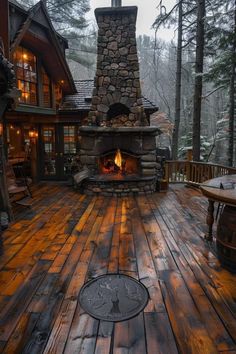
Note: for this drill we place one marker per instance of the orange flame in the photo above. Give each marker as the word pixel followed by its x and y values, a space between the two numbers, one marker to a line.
pixel 118 158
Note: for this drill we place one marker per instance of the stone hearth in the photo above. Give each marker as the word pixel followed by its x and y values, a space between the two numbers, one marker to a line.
pixel 136 141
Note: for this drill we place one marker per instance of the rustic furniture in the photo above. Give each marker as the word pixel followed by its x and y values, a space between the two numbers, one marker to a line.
pixel 223 190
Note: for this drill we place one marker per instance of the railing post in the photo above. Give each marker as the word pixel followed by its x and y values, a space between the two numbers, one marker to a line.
pixel 188 171
pixel 166 176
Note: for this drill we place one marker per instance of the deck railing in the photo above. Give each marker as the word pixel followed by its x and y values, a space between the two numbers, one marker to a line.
pixel 182 171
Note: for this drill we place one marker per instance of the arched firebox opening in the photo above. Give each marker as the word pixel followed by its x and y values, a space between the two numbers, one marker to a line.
pixel 119 162
pixel 116 110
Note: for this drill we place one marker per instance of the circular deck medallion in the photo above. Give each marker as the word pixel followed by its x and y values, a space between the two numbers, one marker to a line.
pixel 113 297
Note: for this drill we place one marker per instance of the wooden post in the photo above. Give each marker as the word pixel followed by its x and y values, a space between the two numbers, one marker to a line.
pixel 8 95
pixel 5 204
pixel 190 154
pixel 188 171
pixel 210 220
pixel 33 158
pixel 4 26
pixel 166 169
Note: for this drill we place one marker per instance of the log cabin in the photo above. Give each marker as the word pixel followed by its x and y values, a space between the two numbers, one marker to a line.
pixel 43 78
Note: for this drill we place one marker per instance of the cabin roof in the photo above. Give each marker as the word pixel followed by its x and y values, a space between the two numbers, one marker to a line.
pixel 81 101
pixel 36 30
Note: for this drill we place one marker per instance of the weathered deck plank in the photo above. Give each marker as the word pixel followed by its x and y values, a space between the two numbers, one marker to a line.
pixel 67 238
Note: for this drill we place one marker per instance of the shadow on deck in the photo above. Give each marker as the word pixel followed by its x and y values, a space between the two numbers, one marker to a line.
pixel 66 239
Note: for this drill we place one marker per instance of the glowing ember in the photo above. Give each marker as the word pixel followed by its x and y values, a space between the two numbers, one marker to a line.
pixel 118 158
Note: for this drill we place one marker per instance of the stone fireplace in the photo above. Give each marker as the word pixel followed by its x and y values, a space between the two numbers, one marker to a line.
pixel 118 145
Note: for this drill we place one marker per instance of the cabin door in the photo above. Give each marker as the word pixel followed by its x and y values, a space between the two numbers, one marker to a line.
pixel 58 147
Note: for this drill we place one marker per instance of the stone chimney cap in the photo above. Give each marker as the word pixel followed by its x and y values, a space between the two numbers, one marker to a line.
pixel 122 10
pixel 116 3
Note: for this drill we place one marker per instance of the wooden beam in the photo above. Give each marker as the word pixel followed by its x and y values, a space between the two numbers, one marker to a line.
pixel 4 26
pixel 5 204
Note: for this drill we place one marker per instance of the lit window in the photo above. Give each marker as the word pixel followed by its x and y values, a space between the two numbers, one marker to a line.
pixel 69 139
pixel 47 98
pixel 58 94
pixel 26 73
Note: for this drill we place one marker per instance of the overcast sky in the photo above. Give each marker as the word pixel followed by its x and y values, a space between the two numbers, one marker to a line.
pixel 147 12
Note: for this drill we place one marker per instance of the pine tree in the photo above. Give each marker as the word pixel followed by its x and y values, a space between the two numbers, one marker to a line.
pixel 68 16
pixel 221 49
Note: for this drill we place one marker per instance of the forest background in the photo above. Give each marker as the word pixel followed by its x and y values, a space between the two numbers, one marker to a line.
pixel 191 78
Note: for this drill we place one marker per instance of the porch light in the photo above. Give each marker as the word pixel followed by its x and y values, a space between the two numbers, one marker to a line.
pixel 33 134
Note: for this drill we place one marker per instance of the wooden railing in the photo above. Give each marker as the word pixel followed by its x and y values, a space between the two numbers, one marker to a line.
pixel 183 171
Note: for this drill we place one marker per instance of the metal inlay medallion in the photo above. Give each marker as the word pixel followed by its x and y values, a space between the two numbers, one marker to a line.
pixel 113 297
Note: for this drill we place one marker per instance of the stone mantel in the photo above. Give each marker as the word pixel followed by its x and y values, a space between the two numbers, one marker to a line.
pixel 128 130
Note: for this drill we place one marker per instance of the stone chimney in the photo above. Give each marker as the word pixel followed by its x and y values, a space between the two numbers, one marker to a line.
pixel 116 3
pixel 4 26
pixel 117 99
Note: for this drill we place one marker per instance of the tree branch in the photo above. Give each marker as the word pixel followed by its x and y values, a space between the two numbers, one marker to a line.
pixel 210 93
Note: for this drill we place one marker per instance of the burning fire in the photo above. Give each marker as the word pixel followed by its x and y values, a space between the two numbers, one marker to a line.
pixel 118 158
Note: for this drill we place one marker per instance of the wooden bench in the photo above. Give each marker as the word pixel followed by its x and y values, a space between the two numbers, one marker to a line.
pixel 80 177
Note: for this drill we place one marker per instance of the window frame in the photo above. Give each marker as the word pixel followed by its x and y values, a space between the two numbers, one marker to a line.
pixel 35 83
pixel 48 85
pixel 27 81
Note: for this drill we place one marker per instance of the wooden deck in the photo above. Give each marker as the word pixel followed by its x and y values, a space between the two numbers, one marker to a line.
pixel 67 238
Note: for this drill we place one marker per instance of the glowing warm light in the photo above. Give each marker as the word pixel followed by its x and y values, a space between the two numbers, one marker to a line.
pixel 11 127
pixel 25 56
pixel 25 94
pixel 1 129
pixel 33 134
pixel 20 85
pixel 62 82
pixel 18 132
pixel 118 158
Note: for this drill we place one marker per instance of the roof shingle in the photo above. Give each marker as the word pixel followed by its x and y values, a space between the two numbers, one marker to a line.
pixel 81 101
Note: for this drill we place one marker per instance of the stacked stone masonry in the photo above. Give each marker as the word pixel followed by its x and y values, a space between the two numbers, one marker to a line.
pixel 120 189
pixel 139 141
pixel 117 76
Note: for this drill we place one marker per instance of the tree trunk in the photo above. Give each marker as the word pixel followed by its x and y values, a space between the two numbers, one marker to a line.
pixel 198 80
pixel 178 84
pixel 232 98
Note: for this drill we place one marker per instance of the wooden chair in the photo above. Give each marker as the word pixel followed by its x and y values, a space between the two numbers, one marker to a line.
pixel 21 178
pixel 18 186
